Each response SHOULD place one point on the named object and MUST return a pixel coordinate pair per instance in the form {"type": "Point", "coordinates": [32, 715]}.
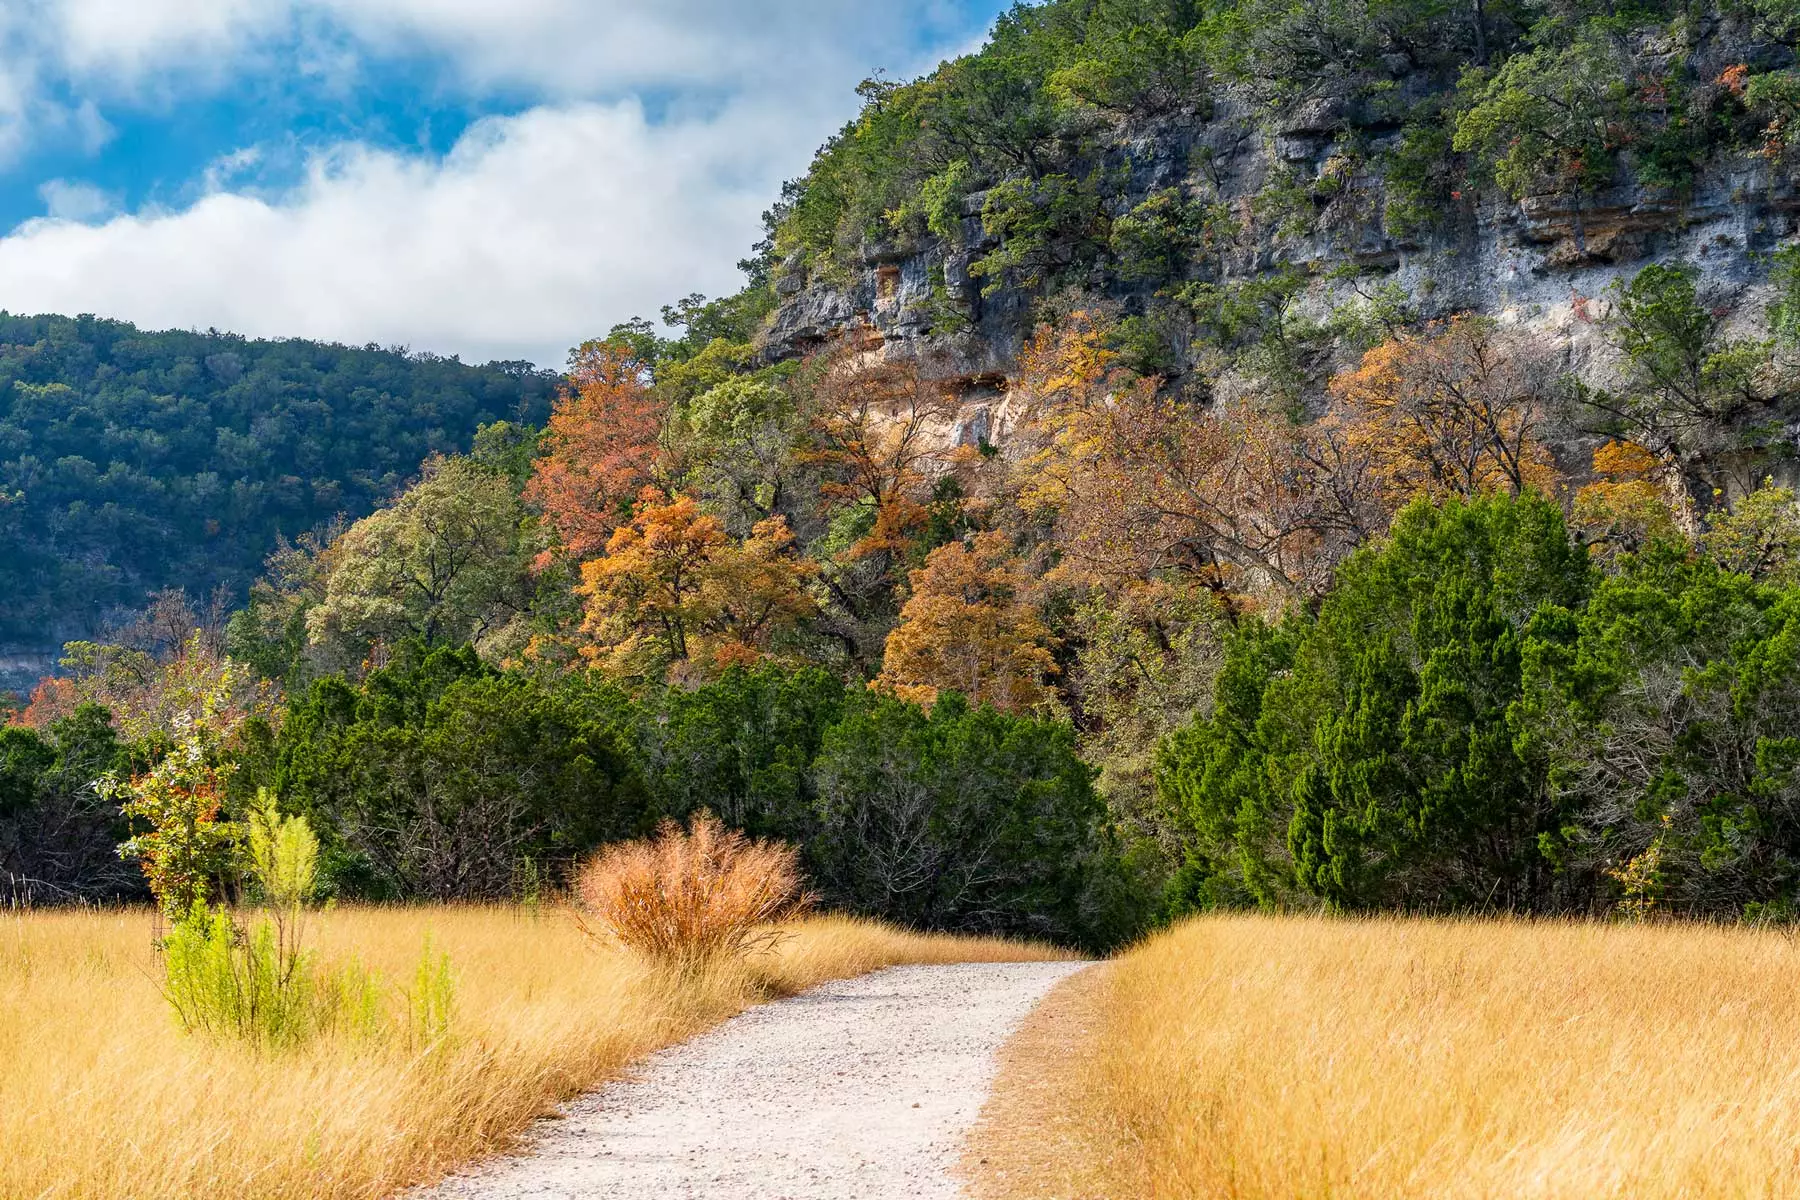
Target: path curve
{"type": "Point", "coordinates": [863, 1088]}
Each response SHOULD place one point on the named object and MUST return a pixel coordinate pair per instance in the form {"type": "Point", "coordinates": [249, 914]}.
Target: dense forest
{"type": "Point", "coordinates": [132, 461]}
{"type": "Point", "coordinates": [1210, 596]}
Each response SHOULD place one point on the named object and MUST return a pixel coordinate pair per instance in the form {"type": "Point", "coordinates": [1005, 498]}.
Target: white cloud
{"type": "Point", "coordinates": [561, 48]}
{"type": "Point", "coordinates": [536, 231]}
{"type": "Point", "coordinates": [67, 200]}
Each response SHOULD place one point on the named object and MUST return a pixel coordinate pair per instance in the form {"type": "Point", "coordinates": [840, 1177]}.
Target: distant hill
{"type": "Point", "coordinates": [133, 460]}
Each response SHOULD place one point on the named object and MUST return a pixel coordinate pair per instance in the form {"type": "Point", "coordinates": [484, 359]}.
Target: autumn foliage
{"type": "Point", "coordinates": [969, 627]}
{"type": "Point", "coordinates": [1142, 482]}
{"type": "Point", "coordinates": [674, 588]}
{"type": "Point", "coordinates": [601, 447]}
{"type": "Point", "coordinates": [880, 431]}
{"type": "Point", "coordinates": [1453, 410]}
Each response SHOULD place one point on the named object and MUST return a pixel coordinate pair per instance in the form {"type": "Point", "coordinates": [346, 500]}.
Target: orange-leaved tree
{"type": "Point", "coordinates": [1143, 483]}
{"type": "Point", "coordinates": [674, 589]}
{"type": "Point", "coordinates": [1452, 410]}
{"type": "Point", "coordinates": [601, 447]}
{"type": "Point", "coordinates": [969, 627]}
{"type": "Point", "coordinates": [878, 430]}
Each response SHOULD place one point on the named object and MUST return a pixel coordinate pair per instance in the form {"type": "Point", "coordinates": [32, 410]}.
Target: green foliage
{"type": "Point", "coordinates": [1375, 736]}
{"type": "Point", "coordinates": [742, 747]}
{"type": "Point", "coordinates": [1709, 405]}
{"type": "Point", "coordinates": [437, 775]}
{"type": "Point", "coordinates": [1542, 119]}
{"type": "Point", "coordinates": [1042, 225]}
{"type": "Point", "coordinates": [182, 841]}
{"type": "Point", "coordinates": [1021, 109]}
{"type": "Point", "coordinates": [1158, 238]}
{"type": "Point", "coordinates": [1784, 312]}
{"type": "Point", "coordinates": [961, 818]}
{"type": "Point", "coordinates": [59, 835]}
{"type": "Point", "coordinates": [431, 1004]}
{"type": "Point", "coordinates": [445, 562]}
{"type": "Point", "coordinates": [283, 854]}
{"type": "Point", "coordinates": [1419, 177]}
{"type": "Point", "coordinates": [136, 461]}
{"type": "Point", "coordinates": [251, 987]}
{"type": "Point", "coordinates": [1669, 710]}
{"type": "Point", "coordinates": [740, 435]}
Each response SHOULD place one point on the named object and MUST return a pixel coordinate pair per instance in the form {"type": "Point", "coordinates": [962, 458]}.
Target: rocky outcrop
{"type": "Point", "coordinates": [1546, 262]}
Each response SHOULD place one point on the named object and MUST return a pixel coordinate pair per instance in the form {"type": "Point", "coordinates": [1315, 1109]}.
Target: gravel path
{"type": "Point", "coordinates": [858, 1089]}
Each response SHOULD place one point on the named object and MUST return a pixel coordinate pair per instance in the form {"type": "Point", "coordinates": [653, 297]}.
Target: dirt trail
{"type": "Point", "coordinates": [862, 1088]}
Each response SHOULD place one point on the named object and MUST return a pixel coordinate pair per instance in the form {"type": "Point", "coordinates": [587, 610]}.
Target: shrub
{"type": "Point", "coordinates": [693, 897]}
{"type": "Point", "coordinates": [255, 988]}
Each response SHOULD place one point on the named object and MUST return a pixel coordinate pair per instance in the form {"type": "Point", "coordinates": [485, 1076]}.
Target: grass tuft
{"type": "Point", "coordinates": [688, 898]}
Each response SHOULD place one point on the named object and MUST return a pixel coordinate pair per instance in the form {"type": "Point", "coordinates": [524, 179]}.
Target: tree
{"type": "Point", "coordinates": [674, 589]}
{"type": "Point", "coordinates": [1453, 410]}
{"type": "Point", "coordinates": [134, 460]}
{"type": "Point", "coordinates": [1140, 482]}
{"type": "Point", "coordinates": [742, 746]}
{"type": "Point", "coordinates": [1546, 119]}
{"type": "Point", "coordinates": [1703, 404]}
{"type": "Point", "coordinates": [181, 839]}
{"type": "Point", "coordinates": [600, 448]}
{"type": "Point", "coordinates": [965, 818]}
{"type": "Point", "coordinates": [740, 437]}
{"type": "Point", "coordinates": [445, 562]}
{"type": "Point", "coordinates": [878, 430]}
{"type": "Point", "coordinates": [1377, 737]}
{"type": "Point", "coordinates": [1146, 663]}
{"type": "Point", "coordinates": [441, 778]}
{"type": "Point", "coordinates": [969, 627]}
{"type": "Point", "coordinates": [1628, 507]}
{"type": "Point", "coordinates": [1667, 708]}
{"type": "Point", "coordinates": [59, 835]}
{"type": "Point", "coordinates": [1758, 536]}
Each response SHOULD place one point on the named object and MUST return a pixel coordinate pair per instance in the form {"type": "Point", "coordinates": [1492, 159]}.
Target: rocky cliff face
{"type": "Point", "coordinates": [1545, 263]}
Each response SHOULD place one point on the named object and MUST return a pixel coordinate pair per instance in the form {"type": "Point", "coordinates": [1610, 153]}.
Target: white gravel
{"type": "Point", "coordinates": [861, 1088]}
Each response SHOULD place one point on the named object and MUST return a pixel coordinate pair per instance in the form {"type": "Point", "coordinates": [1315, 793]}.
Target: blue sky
{"type": "Point", "coordinates": [491, 178]}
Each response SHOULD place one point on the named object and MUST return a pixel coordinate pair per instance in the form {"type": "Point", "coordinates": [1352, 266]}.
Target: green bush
{"type": "Point", "coordinates": [251, 987]}
{"type": "Point", "coordinates": [1364, 758]}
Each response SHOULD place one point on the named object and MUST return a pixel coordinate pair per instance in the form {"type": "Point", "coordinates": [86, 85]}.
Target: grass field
{"type": "Point", "coordinates": [102, 1095]}
{"type": "Point", "coordinates": [1291, 1059]}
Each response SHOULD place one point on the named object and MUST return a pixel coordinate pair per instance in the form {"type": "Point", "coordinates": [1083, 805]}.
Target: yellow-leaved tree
{"type": "Point", "coordinates": [1452, 410]}
{"type": "Point", "coordinates": [969, 627]}
{"type": "Point", "coordinates": [675, 592]}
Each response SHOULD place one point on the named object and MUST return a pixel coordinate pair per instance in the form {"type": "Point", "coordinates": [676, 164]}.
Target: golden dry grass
{"type": "Point", "coordinates": [1032, 1142]}
{"type": "Point", "coordinates": [1255, 1057]}
{"type": "Point", "coordinates": [101, 1095]}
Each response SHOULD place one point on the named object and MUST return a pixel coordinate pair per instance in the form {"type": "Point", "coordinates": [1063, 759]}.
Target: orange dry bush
{"type": "Point", "coordinates": [695, 896]}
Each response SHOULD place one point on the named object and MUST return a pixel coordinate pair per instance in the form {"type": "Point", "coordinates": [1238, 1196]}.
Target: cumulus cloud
{"type": "Point", "coordinates": [569, 48]}
{"type": "Point", "coordinates": [534, 232]}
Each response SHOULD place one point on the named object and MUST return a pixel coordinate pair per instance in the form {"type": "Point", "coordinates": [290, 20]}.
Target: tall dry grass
{"type": "Point", "coordinates": [687, 897]}
{"type": "Point", "coordinates": [102, 1095]}
{"type": "Point", "coordinates": [1249, 1057]}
